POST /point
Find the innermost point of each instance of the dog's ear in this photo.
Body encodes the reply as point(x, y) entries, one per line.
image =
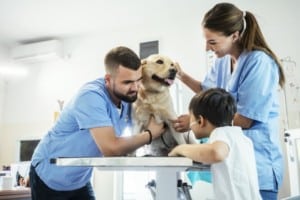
point(143, 62)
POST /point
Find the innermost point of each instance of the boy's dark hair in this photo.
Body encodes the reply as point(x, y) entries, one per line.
point(121, 56)
point(216, 105)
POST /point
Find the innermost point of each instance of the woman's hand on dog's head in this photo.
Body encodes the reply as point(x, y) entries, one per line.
point(156, 128)
point(182, 123)
point(179, 70)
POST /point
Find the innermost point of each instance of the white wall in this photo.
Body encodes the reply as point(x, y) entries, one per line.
point(3, 55)
point(2, 93)
point(27, 104)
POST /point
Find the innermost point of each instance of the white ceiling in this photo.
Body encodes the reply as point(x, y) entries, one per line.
point(26, 20)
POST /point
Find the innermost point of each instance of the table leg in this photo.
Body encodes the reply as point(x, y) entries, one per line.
point(166, 184)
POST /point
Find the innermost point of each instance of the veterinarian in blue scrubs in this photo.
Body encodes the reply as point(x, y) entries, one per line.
point(91, 125)
point(248, 69)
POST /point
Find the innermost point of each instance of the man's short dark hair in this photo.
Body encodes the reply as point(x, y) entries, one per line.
point(121, 56)
point(216, 105)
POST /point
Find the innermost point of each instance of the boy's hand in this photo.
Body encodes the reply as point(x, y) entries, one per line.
point(182, 123)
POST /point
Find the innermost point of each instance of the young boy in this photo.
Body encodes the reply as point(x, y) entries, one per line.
point(228, 150)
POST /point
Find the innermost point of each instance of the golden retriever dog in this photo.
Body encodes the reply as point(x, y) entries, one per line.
point(154, 99)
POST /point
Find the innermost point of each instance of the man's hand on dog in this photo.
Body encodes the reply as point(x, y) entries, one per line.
point(156, 128)
point(181, 124)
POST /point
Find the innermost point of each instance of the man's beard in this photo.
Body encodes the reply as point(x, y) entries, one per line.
point(124, 97)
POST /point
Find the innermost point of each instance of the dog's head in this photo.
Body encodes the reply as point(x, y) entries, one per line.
point(158, 72)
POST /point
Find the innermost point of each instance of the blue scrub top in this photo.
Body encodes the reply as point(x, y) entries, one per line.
point(70, 136)
point(254, 85)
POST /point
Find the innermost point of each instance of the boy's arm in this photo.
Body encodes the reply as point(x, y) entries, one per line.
point(204, 153)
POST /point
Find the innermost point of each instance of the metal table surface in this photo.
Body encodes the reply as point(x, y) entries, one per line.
point(167, 169)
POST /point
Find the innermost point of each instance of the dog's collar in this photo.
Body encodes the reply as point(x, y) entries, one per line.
point(163, 140)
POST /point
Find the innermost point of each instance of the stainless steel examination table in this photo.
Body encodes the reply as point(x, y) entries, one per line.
point(166, 168)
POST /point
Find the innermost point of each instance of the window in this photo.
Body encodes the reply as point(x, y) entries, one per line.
point(26, 149)
point(148, 48)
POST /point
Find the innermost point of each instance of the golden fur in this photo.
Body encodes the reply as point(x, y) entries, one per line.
point(154, 99)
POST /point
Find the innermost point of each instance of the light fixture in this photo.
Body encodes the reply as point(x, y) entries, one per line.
point(12, 70)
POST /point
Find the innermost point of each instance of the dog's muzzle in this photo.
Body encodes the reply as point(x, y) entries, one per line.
point(172, 73)
point(169, 80)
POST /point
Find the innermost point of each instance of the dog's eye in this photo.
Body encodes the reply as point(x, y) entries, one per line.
point(160, 62)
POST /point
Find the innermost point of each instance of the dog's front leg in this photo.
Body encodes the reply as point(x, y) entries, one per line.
point(183, 138)
point(190, 137)
point(176, 135)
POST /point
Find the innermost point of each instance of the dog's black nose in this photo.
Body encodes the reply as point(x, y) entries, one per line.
point(172, 72)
